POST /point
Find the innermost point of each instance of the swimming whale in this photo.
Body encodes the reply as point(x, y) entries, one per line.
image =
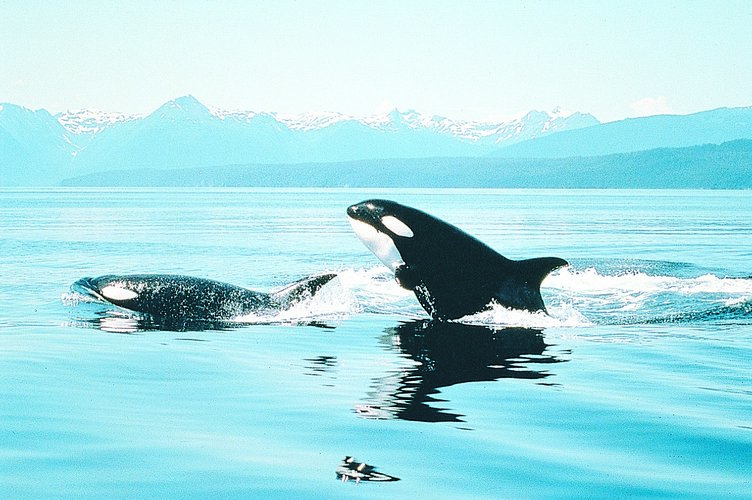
point(452, 273)
point(171, 297)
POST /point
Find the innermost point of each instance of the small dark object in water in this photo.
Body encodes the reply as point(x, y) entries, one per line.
point(360, 471)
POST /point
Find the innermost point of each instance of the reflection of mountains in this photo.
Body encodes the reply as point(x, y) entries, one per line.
point(447, 354)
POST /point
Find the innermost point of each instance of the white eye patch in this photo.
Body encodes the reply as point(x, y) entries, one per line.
point(117, 293)
point(397, 226)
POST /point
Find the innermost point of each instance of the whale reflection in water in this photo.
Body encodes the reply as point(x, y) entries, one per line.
point(447, 354)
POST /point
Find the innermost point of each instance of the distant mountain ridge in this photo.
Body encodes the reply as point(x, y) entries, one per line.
point(710, 166)
point(639, 134)
point(36, 147)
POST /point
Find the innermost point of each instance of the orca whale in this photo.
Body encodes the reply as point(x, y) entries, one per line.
point(452, 273)
point(175, 297)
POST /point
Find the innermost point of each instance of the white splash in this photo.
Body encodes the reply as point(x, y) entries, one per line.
point(333, 302)
point(641, 295)
point(563, 315)
point(590, 282)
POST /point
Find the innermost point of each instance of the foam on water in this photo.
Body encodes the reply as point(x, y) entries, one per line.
point(576, 298)
point(332, 303)
point(635, 297)
point(562, 315)
point(590, 281)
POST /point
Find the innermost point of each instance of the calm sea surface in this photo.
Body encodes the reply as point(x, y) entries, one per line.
point(639, 383)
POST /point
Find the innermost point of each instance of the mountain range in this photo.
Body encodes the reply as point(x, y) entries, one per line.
point(38, 148)
point(639, 134)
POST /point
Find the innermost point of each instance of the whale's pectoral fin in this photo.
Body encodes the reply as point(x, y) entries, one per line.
point(407, 277)
point(428, 301)
point(302, 289)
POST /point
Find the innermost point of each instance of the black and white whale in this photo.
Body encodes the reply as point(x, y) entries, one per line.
point(452, 273)
point(175, 297)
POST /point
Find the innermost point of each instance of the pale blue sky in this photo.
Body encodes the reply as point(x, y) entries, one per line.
point(462, 59)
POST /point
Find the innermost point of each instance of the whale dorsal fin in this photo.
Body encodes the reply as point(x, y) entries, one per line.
point(303, 288)
point(536, 270)
point(521, 281)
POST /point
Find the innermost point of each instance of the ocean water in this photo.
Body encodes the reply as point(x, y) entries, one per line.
point(638, 383)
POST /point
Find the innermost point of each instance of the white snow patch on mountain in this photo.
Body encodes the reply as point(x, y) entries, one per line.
point(86, 121)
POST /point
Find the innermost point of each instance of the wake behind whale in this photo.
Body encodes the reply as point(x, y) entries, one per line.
point(577, 297)
point(598, 293)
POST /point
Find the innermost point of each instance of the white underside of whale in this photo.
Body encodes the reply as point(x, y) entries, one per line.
point(379, 243)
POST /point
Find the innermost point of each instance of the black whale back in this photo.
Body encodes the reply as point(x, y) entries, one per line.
point(175, 296)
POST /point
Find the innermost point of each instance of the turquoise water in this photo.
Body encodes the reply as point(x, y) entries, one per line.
point(638, 384)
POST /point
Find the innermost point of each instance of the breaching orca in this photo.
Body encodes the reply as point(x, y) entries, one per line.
point(171, 297)
point(451, 273)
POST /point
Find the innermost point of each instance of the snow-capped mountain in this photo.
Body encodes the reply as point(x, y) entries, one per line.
point(37, 148)
point(185, 133)
point(84, 125)
point(84, 121)
point(533, 124)
point(311, 121)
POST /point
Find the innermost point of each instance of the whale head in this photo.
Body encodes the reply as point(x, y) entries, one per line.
point(378, 225)
point(452, 273)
